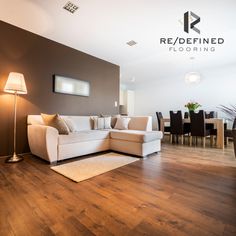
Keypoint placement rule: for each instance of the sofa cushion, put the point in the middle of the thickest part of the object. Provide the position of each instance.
(140, 123)
(136, 135)
(81, 123)
(122, 123)
(113, 119)
(102, 122)
(70, 124)
(55, 121)
(83, 136)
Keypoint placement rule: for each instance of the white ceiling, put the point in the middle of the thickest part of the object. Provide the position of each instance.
(102, 28)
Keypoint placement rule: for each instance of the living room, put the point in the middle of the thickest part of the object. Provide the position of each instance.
(83, 150)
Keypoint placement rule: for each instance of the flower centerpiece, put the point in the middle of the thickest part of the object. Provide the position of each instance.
(192, 106)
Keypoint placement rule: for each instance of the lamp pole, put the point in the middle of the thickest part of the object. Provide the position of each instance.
(14, 158)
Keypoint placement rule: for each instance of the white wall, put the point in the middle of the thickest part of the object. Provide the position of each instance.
(127, 100)
(218, 86)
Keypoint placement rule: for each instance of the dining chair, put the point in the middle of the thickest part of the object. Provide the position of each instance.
(211, 127)
(198, 127)
(159, 117)
(211, 114)
(177, 126)
(186, 115)
(228, 133)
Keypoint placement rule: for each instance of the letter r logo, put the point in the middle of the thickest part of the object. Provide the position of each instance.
(191, 25)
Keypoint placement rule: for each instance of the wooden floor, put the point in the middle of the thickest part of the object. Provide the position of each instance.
(182, 191)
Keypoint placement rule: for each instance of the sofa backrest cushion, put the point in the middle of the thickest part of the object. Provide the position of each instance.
(82, 122)
(141, 123)
(86, 123)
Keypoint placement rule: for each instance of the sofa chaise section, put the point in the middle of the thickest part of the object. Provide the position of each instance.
(136, 142)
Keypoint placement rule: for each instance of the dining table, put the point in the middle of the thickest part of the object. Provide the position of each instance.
(218, 125)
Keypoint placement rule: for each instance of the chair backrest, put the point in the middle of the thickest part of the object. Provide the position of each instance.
(234, 124)
(211, 114)
(186, 115)
(176, 123)
(159, 117)
(197, 123)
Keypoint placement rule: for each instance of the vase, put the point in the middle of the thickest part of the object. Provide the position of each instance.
(191, 110)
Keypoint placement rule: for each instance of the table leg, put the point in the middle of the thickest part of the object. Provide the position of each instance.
(220, 134)
(162, 125)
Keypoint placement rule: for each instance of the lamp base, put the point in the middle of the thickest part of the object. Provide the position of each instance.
(13, 159)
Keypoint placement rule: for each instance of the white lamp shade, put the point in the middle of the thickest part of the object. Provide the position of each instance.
(193, 78)
(15, 84)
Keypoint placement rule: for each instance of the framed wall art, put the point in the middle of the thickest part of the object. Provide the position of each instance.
(65, 85)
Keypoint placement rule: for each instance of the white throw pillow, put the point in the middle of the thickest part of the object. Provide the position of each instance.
(122, 123)
(102, 122)
(113, 119)
(107, 122)
(70, 124)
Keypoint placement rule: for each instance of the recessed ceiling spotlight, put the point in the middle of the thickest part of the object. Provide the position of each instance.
(131, 43)
(71, 7)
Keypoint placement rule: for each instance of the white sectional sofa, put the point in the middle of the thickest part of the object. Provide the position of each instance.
(46, 143)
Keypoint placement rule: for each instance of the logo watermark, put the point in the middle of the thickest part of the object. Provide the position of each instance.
(191, 25)
(191, 44)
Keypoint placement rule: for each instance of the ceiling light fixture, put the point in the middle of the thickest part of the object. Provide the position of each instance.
(131, 43)
(192, 77)
(71, 7)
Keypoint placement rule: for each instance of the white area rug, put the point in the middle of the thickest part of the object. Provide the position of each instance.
(92, 166)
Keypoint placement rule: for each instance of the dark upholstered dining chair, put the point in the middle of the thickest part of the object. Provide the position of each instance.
(177, 126)
(159, 117)
(198, 126)
(228, 133)
(213, 131)
(186, 115)
(211, 114)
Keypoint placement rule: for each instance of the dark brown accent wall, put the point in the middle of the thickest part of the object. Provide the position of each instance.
(38, 59)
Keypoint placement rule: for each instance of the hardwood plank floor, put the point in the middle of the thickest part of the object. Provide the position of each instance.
(181, 191)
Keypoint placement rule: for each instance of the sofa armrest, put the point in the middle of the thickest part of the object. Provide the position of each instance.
(43, 141)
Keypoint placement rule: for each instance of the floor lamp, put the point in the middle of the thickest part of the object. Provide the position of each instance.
(16, 85)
